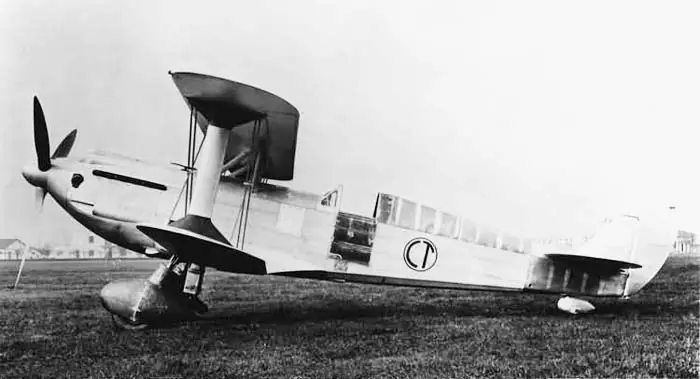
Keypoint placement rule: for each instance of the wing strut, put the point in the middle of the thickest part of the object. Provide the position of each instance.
(191, 143)
(187, 188)
(194, 238)
(253, 177)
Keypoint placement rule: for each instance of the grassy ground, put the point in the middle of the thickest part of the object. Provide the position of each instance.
(54, 326)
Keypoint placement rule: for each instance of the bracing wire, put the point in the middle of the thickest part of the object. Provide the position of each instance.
(193, 154)
(188, 188)
(241, 225)
(253, 180)
(179, 197)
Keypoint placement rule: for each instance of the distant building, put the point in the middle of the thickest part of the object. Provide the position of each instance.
(60, 252)
(11, 248)
(81, 247)
(87, 247)
(118, 252)
(686, 242)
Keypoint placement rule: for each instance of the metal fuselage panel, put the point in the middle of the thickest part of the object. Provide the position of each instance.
(298, 236)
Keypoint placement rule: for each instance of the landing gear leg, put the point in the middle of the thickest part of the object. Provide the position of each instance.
(193, 287)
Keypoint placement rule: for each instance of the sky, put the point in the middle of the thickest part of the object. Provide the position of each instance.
(539, 117)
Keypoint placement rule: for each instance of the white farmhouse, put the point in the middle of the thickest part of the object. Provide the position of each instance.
(11, 248)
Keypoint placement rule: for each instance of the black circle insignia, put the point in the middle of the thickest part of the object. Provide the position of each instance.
(420, 254)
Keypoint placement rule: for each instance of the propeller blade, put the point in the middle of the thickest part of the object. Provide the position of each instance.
(41, 138)
(65, 146)
(40, 195)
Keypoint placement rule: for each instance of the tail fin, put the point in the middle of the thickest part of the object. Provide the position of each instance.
(639, 245)
(654, 243)
(614, 241)
(610, 249)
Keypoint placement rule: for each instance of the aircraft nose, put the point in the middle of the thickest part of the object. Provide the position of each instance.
(34, 176)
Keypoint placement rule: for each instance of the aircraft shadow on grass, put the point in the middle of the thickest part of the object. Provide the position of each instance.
(291, 313)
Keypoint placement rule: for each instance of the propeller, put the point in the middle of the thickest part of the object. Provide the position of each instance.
(41, 138)
(66, 145)
(39, 196)
(38, 176)
(42, 146)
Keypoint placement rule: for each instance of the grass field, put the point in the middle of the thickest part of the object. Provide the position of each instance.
(54, 326)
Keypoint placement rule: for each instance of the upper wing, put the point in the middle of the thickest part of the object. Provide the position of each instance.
(255, 116)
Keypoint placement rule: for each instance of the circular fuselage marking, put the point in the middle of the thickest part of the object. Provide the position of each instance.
(420, 254)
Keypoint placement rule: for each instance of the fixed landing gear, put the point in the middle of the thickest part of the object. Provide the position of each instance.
(197, 306)
(574, 306)
(168, 295)
(126, 324)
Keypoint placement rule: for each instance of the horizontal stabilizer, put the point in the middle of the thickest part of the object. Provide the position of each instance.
(602, 264)
(610, 248)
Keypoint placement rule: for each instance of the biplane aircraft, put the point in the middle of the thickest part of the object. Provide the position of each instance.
(219, 211)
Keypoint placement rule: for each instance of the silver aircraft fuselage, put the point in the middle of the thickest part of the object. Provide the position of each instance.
(296, 234)
(110, 194)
